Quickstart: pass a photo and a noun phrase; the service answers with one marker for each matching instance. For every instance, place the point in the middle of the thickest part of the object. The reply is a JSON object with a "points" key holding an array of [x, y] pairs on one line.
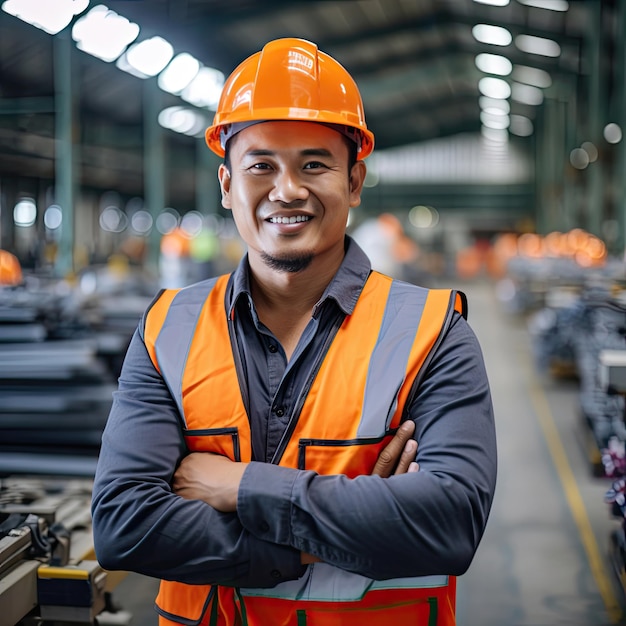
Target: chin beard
{"points": [[288, 264]]}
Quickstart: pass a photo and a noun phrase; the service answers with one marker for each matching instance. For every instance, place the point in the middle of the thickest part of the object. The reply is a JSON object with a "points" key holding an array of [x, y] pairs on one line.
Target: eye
{"points": [[313, 165], [260, 166]]}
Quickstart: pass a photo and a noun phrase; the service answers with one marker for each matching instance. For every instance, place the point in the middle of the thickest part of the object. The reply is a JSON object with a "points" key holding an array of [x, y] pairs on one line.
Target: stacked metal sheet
{"points": [[59, 361]]}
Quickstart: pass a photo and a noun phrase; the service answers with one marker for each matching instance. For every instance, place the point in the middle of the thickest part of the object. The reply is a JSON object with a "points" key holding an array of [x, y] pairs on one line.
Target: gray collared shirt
{"points": [[428, 522]]}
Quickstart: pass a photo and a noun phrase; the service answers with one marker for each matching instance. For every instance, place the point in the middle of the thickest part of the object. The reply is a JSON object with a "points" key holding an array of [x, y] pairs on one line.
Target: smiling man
{"points": [[261, 456]]}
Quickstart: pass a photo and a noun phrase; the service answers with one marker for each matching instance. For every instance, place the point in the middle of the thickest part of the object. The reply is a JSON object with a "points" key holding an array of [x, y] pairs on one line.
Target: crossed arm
{"points": [[215, 479]]}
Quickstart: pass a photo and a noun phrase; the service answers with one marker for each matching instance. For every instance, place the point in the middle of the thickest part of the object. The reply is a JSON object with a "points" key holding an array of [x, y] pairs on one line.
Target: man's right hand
{"points": [[398, 457]]}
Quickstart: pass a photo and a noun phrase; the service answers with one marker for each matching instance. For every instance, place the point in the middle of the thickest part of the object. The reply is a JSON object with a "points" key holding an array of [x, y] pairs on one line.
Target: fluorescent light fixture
{"points": [[494, 35], [103, 33], [550, 5], [498, 122], [205, 89], [493, 64], [494, 106], [494, 88], [531, 76], [183, 120], [521, 126], [493, 3], [494, 135], [538, 45], [25, 212], [146, 58], [526, 94], [182, 69], [50, 16]]}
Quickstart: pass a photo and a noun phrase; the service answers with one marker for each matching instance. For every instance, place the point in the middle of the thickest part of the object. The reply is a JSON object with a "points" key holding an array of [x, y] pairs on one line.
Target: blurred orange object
{"points": [[10, 269]]}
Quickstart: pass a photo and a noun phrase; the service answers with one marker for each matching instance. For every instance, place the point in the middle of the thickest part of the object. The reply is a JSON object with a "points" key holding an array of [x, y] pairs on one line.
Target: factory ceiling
{"points": [[414, 61]]}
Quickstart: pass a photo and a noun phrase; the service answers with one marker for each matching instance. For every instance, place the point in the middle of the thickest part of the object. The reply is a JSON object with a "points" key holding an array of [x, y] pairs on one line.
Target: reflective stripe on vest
{"points": [[365, 375]]}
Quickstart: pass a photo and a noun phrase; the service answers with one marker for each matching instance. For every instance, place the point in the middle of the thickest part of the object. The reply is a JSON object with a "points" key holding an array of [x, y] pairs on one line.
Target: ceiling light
{"points": [[531, 76], [521, 126], [538, 45], [498, 122], [205, 89], [494, 106], [591, 150], [579, 158], [526, 94], [146, 58], [179, 73], [551, 5], [103, 33], [494, 35], [183, 120], [612, 133], [494, 3], [52, 17], [494, 88], [494, 135], [493, 64]]}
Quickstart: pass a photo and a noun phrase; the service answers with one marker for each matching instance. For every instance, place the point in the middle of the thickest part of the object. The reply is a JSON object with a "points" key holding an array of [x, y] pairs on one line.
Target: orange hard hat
{"points": [[290, 79], [10, 269]]}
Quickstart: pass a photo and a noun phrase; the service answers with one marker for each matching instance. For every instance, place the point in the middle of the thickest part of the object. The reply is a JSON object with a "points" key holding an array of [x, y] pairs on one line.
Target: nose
{"points": [[288, 187]]}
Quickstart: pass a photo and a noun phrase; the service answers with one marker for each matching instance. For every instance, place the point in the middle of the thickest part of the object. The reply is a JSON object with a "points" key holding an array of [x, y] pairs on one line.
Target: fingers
{"points": [[394, 455], [407, 457]]}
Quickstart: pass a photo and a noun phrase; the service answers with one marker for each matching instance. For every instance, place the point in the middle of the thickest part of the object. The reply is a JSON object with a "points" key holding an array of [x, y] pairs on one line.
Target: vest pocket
{"points": [[224, 441], [179, 603], [351, 457]]}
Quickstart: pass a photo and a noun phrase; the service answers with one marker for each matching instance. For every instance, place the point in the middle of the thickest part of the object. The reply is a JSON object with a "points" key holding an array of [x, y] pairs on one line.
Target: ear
{"points": [[223, 176], [357, 178]]}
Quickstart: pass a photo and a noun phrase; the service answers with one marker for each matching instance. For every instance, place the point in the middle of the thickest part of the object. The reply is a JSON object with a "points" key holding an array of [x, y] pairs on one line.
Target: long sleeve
{"points": [[429, 522], [140, 525]]}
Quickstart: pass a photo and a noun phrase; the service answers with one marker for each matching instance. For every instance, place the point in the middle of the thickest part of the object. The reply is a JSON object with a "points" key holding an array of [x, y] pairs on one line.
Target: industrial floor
{"points": [[544, 559]]}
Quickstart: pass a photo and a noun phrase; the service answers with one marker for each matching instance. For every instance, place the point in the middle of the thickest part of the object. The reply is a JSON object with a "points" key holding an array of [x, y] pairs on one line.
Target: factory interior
{"points": [[499, 169]]}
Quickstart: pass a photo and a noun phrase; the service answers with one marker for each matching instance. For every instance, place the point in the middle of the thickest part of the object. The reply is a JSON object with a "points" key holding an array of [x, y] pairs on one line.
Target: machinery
{"points": [[48, 570]]}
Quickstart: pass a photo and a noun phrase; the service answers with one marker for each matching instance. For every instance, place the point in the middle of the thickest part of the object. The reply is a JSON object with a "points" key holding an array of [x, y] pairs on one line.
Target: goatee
{"points": [[289, 264]]}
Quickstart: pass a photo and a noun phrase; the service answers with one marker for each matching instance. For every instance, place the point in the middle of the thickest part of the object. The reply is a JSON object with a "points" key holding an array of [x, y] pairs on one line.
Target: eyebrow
{"points": [[322, 152]]}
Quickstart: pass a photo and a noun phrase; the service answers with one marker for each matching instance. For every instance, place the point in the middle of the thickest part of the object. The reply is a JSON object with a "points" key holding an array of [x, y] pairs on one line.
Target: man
{"points": [[260, 455]]}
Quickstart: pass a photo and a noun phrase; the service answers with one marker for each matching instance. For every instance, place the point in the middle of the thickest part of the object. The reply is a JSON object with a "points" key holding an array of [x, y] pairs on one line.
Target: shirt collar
{"points": [[344, 288]]}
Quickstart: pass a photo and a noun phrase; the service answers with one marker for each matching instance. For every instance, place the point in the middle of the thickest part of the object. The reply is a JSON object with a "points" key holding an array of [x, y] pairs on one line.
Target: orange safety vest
{"points": [[366, 376]]}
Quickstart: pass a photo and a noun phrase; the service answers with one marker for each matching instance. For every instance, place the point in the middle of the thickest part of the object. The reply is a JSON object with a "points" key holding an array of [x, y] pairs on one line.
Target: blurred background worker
{"points": [[271, 394]]}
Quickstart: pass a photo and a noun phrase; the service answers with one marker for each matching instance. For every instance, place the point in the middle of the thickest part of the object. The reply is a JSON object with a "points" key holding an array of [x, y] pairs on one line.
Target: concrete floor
{"points": [[544, 558]]}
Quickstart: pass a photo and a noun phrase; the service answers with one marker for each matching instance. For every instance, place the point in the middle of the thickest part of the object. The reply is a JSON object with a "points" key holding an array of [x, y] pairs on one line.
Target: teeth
{"points": [[290, 220]]}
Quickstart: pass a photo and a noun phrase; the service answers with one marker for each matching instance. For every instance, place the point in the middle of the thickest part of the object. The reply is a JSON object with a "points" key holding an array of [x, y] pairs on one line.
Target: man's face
{"points": [[290, 192]]}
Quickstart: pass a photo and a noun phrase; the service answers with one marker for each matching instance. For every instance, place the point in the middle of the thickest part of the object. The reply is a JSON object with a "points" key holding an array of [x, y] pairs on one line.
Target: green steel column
{"points": [[66, 147], [597, 112], [153, 166], [570, 185]]}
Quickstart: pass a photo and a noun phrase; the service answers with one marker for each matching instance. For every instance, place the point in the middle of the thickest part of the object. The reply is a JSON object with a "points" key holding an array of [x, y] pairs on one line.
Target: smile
{"points": [[290, 220]]}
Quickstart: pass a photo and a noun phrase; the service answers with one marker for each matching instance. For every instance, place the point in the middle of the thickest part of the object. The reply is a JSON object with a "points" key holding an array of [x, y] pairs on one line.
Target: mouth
{"points": [[293, 219]]}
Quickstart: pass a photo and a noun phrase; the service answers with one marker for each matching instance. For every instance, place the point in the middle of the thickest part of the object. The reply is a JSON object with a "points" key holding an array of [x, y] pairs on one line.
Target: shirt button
{"points": [[280, 411], [272, 348], [264, 527], [276, 574]]}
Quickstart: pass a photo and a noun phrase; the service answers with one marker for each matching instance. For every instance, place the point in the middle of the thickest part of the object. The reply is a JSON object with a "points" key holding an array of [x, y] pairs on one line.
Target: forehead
{"points": [[288, 136]]}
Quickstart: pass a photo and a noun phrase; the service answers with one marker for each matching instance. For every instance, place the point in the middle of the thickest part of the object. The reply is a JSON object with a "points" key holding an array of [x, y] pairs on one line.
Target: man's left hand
{"points": [[212, 478]]}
